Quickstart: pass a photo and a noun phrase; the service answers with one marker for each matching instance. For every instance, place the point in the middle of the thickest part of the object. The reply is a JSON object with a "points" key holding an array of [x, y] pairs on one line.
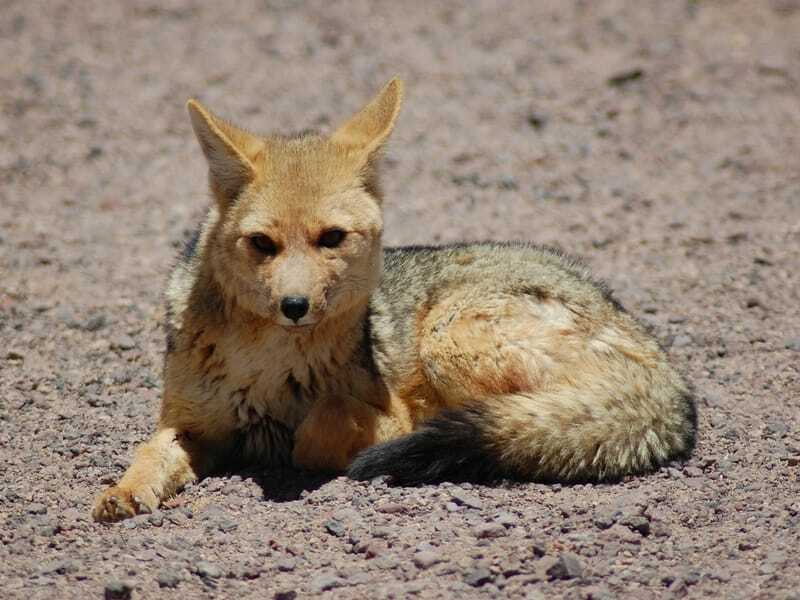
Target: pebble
{"points": [[463, 498], [94, 323], [391, 508], [285, 595], [37, 508], [122, 342], [335, 527], [537, 120], [693, 472], [793, 344], [207, 569], [118, 590], [682, 341], [286, 564], [426, 559], [506, 519], [567, 566], [489, 530], [326, 582], [168, 578], [636, 523], [478, 577]]}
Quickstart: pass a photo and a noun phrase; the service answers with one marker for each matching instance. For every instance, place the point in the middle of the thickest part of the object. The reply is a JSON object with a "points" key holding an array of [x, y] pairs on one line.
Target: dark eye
{"points": [[264, 244], [331, 238]]}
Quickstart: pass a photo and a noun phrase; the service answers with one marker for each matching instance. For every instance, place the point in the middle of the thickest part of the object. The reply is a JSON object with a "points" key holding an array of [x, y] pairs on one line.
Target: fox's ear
{"points": [[227, 149], [371, 126]]}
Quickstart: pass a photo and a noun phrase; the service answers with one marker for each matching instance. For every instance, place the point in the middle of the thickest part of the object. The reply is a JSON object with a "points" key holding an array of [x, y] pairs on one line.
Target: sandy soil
{"points": [[658, 140]]}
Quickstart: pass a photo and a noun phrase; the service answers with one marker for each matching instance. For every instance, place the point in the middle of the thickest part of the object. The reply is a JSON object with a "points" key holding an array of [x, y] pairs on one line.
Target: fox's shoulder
{"points": [[191, 300]]}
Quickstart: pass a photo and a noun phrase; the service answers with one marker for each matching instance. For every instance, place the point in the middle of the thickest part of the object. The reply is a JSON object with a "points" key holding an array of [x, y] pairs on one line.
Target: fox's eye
{"points": [[264, 244], [332, 238]]}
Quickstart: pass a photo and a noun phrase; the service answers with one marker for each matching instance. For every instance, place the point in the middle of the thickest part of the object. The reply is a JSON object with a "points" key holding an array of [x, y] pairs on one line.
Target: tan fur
{"points": [[570, 386]]}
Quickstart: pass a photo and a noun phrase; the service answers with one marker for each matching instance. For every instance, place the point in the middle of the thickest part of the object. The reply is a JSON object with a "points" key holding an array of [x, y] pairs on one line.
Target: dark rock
{"points": [[567, 566], [118, 590], [537, 120], [285, 595], [478, 577], [624, 77]]}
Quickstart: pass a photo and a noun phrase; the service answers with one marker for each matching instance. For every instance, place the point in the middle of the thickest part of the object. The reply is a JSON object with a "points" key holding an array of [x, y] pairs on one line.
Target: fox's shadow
{"points": [[283, 484]]}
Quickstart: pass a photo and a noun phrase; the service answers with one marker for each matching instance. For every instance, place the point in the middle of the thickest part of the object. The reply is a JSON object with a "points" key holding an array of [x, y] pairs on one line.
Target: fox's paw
{"points": [[118, 503]]}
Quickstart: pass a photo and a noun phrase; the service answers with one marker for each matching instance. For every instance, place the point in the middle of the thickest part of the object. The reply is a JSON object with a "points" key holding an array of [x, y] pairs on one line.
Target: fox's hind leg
{"points": [[336, 430], [536, 389]]}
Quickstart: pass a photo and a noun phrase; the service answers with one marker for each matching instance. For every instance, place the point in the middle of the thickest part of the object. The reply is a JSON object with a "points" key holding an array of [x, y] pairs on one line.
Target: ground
{"points": [[657, 140]]}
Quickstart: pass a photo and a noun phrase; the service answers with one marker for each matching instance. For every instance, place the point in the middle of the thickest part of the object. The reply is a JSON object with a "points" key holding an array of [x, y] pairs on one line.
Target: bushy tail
{"points": [[548, 436]]}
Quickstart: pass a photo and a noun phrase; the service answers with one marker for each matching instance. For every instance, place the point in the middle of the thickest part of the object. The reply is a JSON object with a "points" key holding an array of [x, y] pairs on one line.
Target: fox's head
{"points": [[296, 234]]}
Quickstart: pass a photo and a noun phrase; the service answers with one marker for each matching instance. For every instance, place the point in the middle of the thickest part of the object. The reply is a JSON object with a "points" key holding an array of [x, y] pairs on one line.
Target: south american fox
{"points": [[294, 337]]}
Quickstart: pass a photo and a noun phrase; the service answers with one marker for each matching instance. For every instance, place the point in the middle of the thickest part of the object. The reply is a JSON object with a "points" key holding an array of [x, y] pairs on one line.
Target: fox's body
{"points": [[294, 337]]}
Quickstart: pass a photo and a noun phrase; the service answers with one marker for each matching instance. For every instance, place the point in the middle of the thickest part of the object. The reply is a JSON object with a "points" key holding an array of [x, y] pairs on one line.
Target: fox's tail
{"points": [[555, 435]]}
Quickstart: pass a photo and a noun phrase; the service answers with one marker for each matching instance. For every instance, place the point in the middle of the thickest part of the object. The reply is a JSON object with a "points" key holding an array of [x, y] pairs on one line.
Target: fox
{"points": [[295, 338]]}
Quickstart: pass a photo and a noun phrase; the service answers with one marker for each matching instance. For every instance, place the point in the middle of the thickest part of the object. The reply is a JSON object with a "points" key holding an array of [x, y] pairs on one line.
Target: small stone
{"points": [[286, 564], [793, 344], [15, 355], [426, 559], [326, 582], [36, 508], [118, 590], [567, 566], [465, 499], [156, 519], [636, 523], [693, 472], [682, 341], [624, 77], [478, 577], [391, 508], [207, 570], [335, 527], [488, 531], [285, 595], [95, 323], [537, 120], [168, 578], [506, 519], [123, 342]]}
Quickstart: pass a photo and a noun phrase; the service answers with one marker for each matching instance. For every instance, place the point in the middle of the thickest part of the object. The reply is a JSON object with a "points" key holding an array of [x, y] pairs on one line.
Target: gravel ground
{"points": [[658, 140]]}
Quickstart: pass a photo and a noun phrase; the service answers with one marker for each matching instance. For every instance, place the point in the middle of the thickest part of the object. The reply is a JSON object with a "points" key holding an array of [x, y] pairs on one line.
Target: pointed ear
{"points": [[371, 126], [227, 149]]}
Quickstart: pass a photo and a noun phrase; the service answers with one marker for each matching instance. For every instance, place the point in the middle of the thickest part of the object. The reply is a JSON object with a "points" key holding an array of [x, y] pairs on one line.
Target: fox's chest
{"points": [[266, 379]]}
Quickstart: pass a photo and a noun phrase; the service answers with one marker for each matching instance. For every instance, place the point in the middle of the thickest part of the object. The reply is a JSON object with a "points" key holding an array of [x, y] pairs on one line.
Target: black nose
{"points": [[294, 307]]}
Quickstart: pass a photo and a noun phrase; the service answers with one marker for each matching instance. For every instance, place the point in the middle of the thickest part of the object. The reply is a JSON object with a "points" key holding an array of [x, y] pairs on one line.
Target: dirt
{"points": [[657, 140]]}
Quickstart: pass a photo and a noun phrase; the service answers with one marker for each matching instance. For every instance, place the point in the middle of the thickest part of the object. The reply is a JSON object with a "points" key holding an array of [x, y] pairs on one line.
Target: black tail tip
{"points": [[451, 447]]}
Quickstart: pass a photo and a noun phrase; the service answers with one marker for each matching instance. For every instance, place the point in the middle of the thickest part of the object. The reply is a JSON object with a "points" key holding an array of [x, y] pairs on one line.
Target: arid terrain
{"points": [[659, 141]]}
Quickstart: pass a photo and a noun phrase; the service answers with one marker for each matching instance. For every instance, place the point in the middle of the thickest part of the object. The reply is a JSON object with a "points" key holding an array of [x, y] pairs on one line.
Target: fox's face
{"points": [[298, 232]]}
